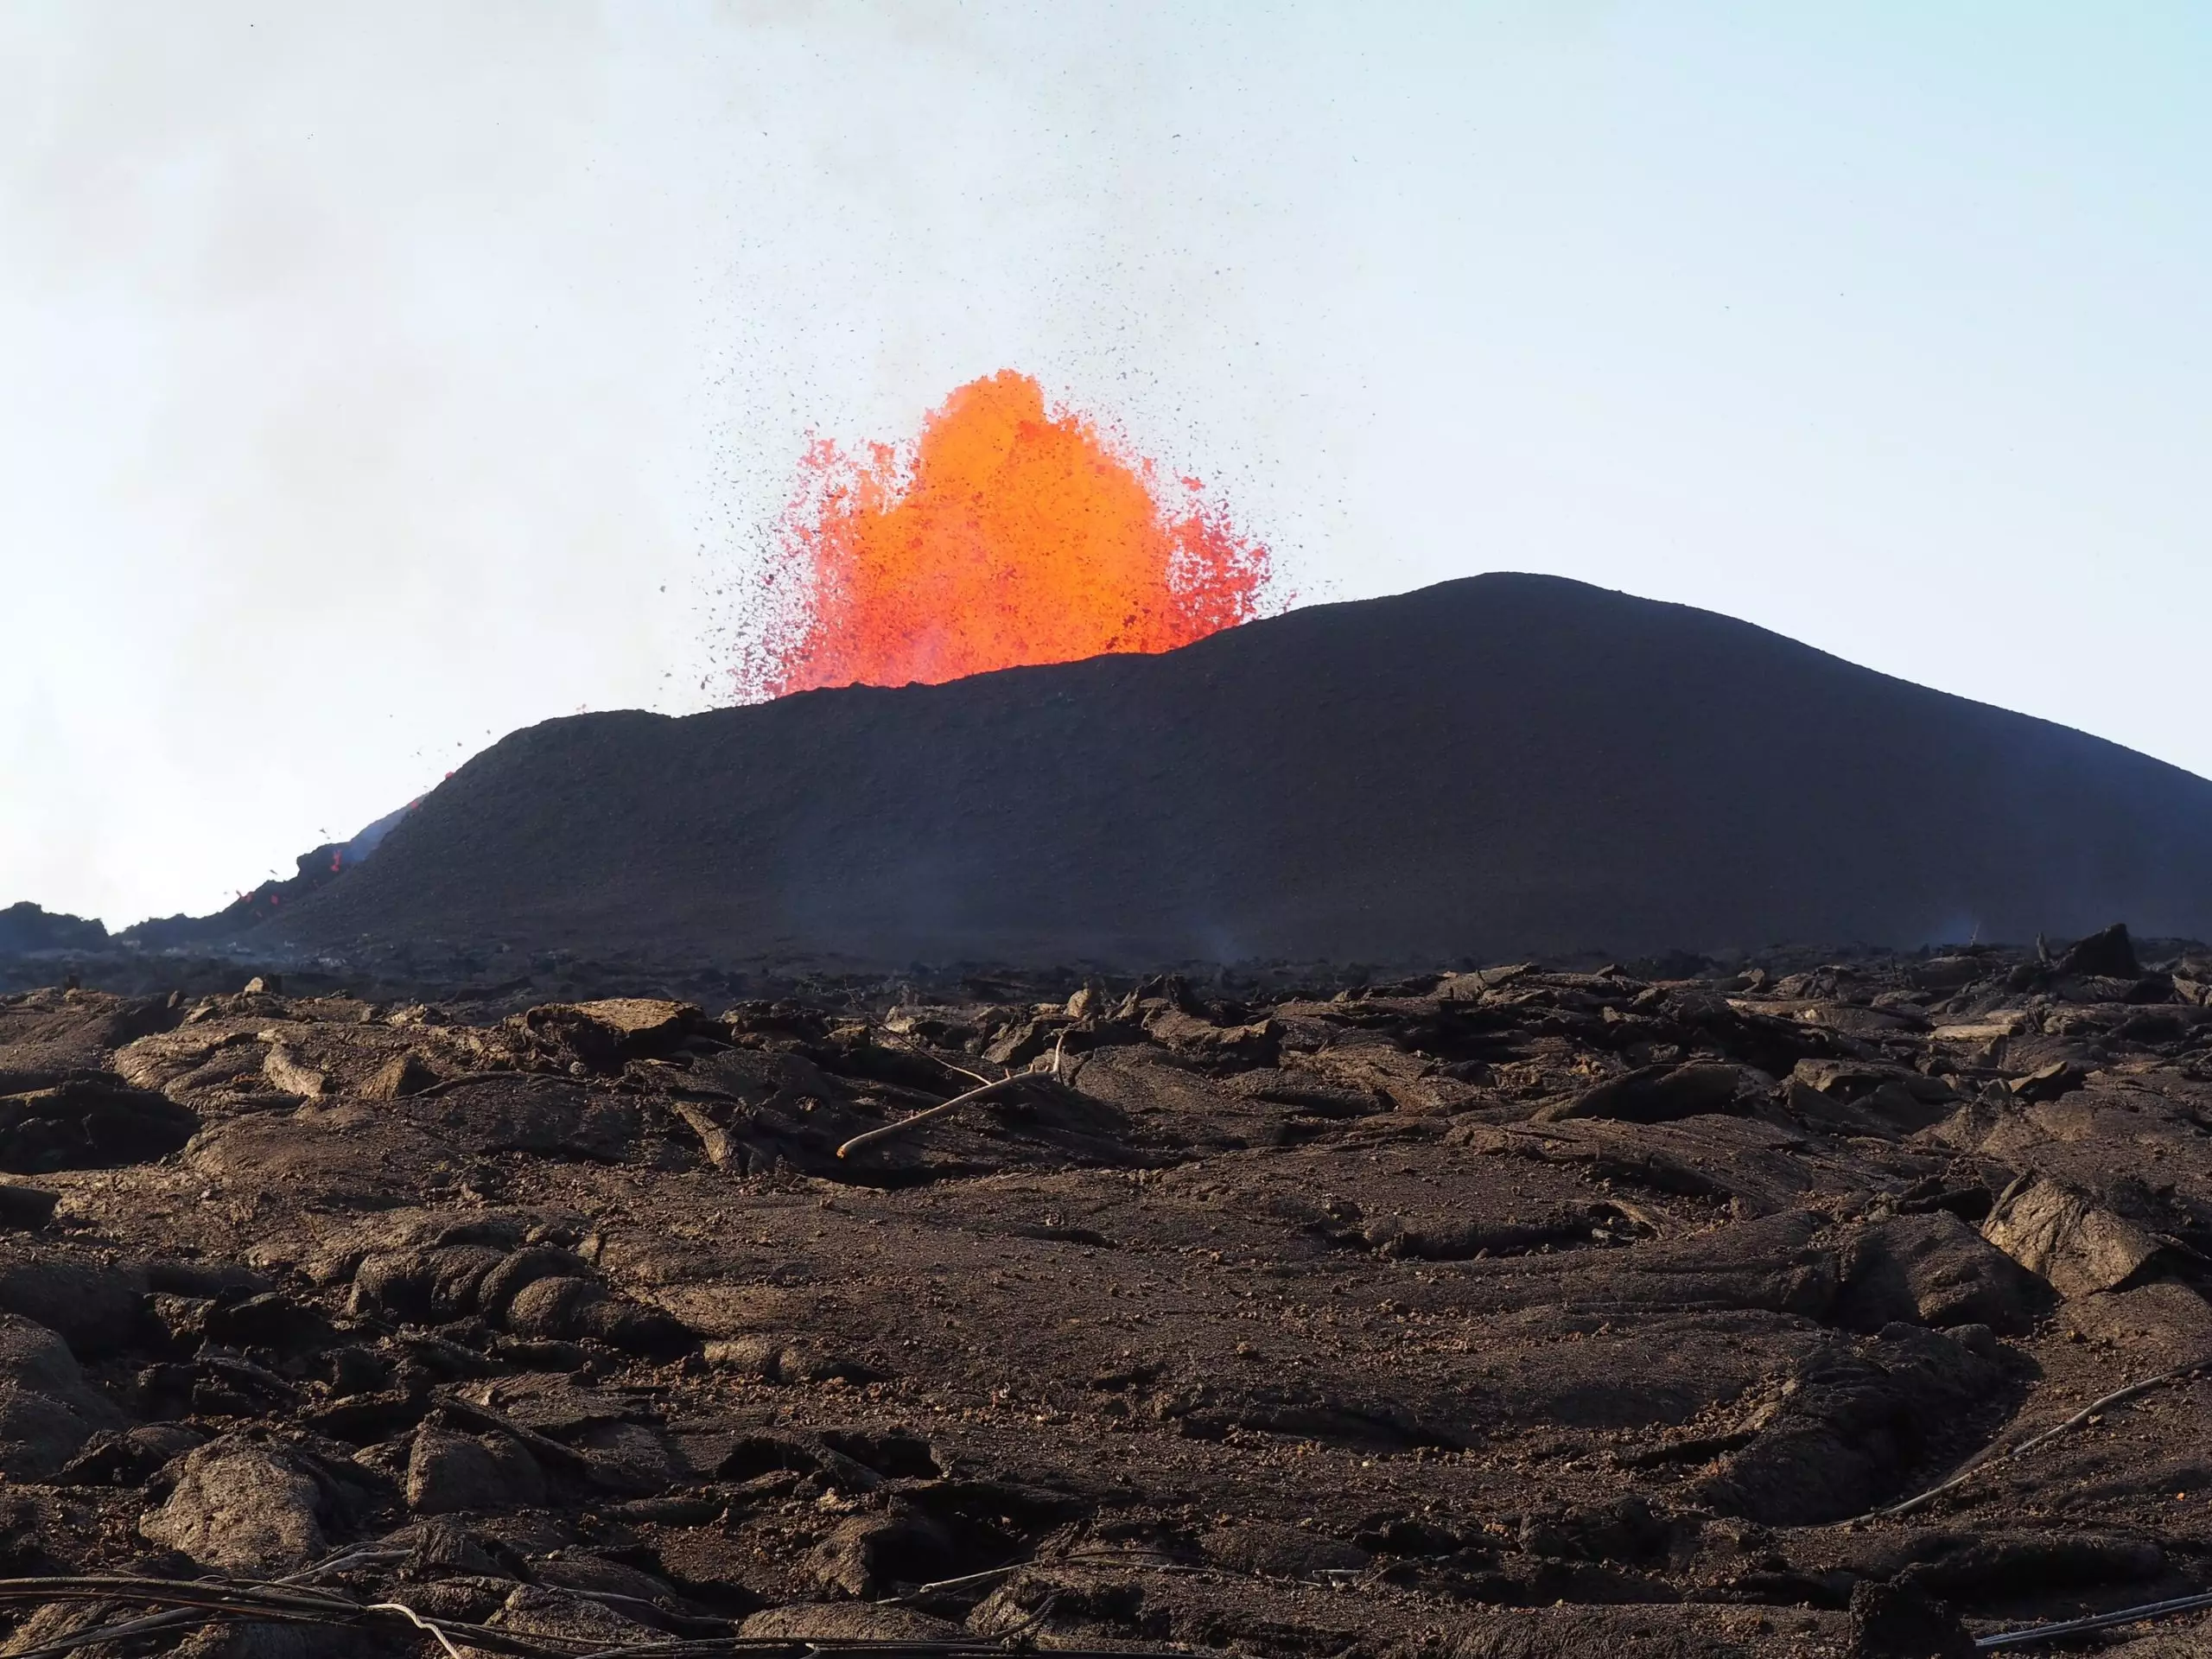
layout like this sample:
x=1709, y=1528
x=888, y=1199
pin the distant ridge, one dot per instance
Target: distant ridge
x=1501, y=764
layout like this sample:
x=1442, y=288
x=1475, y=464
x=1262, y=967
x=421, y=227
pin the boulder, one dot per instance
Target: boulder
x=287, y=1071
x=46, y=1410
x=2068, y=1238
x=867, y=1555
x=538, y=1609
x=640, y=1021
x=2108, y=955
x=601, y=1036
x=846, y=1621
x=1933, y=1270
x=1653, y=1094
x=97, y=1306
x=422, y=1286
x=1253, y=1044
x=403, y=1075
x=241, y=1507
x=448, y=1471
x=27, y=1208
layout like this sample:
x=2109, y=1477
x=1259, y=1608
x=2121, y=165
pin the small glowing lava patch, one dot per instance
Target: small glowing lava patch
x=1008, y=533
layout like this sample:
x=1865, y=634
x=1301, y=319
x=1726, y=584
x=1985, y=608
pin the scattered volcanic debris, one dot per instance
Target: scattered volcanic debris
x=1006, y=534
x=1841, y=1306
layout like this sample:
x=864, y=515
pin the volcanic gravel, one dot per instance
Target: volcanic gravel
x=1505, y=764
x=1507, y=1312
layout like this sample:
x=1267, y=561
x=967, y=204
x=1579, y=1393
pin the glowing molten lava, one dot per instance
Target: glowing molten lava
x=1006, y=534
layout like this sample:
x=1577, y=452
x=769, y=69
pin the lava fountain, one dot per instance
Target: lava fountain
x=1005, y=534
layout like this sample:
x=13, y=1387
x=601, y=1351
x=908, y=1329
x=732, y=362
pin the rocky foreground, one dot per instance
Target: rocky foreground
x=1504, y=1313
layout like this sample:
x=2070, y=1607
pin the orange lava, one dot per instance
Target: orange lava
x=1006, y=534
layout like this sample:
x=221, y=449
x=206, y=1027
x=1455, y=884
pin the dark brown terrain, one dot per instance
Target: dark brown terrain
x=1502, y=765
x=1501, y=1314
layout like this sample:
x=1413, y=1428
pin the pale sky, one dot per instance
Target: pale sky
x=375, y=379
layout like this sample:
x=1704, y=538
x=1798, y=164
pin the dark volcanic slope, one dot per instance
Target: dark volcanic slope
x=1501, y=764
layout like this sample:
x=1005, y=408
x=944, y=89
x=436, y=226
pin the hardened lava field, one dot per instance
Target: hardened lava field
x=1502, y=1313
